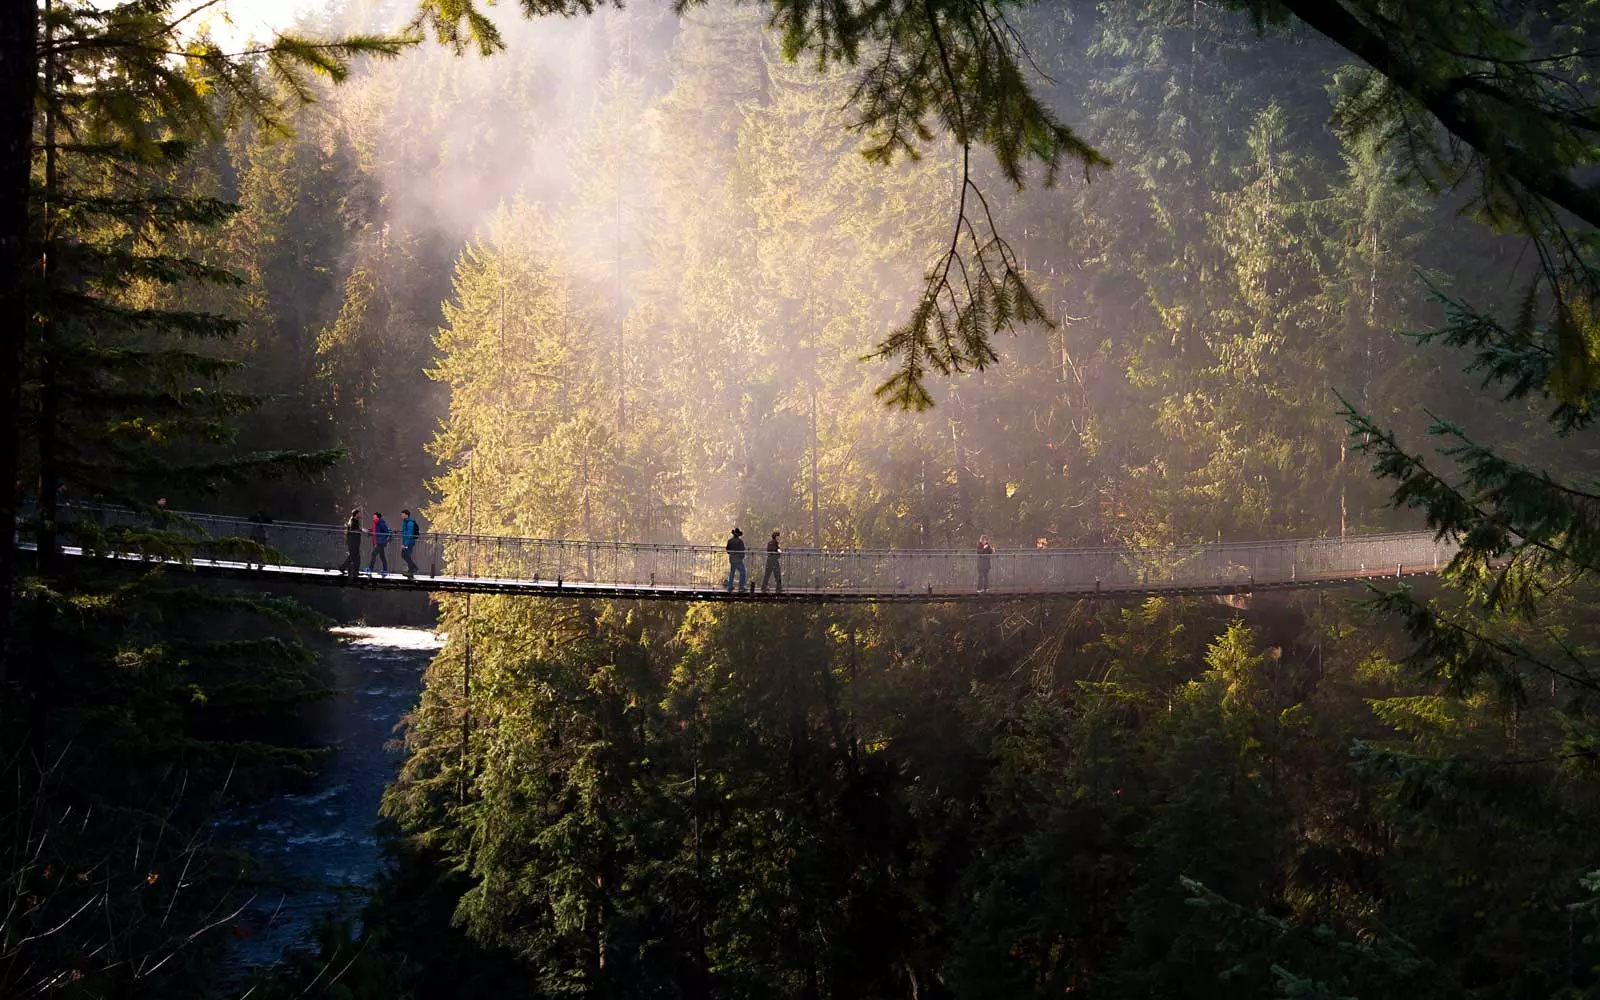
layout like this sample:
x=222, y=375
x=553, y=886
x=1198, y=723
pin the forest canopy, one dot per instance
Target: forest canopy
x=1276, y=270
x=1483, y=94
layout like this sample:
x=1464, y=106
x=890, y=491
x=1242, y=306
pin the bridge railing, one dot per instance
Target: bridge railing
x=321, y=547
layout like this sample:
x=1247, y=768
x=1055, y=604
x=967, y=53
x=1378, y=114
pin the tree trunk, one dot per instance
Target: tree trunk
x=622, y=310
x=49, y=389
x=924, y=527
x=816, y=517
x=698, y=980
x=1344, y=482
x=588, y=518
x=963, y=493
x=18, y=82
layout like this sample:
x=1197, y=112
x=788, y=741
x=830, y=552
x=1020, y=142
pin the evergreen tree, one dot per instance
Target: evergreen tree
x=962, y=64
x=161, y=703
x=995, y=801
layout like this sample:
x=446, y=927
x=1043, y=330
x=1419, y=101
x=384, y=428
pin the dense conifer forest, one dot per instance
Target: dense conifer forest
x=1063, y=274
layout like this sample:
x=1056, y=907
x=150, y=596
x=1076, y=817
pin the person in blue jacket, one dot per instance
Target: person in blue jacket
x=408, y=541
x=380, y=543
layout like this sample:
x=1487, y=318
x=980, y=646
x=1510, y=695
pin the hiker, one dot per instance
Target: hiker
x=352, y=542
x=380, y=543
x=258, y=530
x=773, y=571
x=735, y=559
x=985, y=554
x=408, y=541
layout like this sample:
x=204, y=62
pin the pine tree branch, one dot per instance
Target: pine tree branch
x=1426, y=625
x=1334, y=20
x=1448, y=508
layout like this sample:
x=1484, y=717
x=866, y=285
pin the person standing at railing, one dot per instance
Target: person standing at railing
x=736, y=559
x=380, y=543
x=408, y=541
x=773, y=571
x=352, y=542
x=985, y=554
x=258, y=531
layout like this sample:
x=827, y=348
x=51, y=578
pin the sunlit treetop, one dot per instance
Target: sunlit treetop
x=1496, y=96
x=142, y=69
x=1498, y=100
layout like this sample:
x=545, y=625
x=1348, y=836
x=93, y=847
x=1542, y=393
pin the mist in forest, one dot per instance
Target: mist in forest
x=641, y=260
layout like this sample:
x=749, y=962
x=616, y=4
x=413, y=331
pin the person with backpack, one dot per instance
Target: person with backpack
x=352, y=543
x=735, y=559
x=409, y=533
x=774, y=571
x=380, y=543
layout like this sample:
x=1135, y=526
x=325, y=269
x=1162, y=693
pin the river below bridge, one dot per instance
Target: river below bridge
x=318, y=850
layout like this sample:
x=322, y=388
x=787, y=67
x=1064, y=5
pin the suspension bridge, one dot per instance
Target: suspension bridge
x=312, y=553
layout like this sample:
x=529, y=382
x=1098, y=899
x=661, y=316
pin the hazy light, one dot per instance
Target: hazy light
x=233, y=22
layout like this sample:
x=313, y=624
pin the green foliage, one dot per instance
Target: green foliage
x=955, y=64
x=722, y=801
x=1527, y=544
x=1492, y=93
x=144, y=727
x=137, y=78
x=139, y=708
x=936, y=802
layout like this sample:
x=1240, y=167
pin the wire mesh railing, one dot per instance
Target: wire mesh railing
x=321, y=549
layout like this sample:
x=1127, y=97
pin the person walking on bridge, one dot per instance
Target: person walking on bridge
x=985, y=554
x=258, y=530
x=352, y=543
x=736, y=560
x=408, y=541
x=773, y=571
x=380, y=543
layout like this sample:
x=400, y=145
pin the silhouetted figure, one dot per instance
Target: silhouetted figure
x=161, y=512
x=352, y=542
x=773, y=571
x=408, y=541
x=380, y=543
x=258, y=531
x=985, y=554
x=736, y=559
